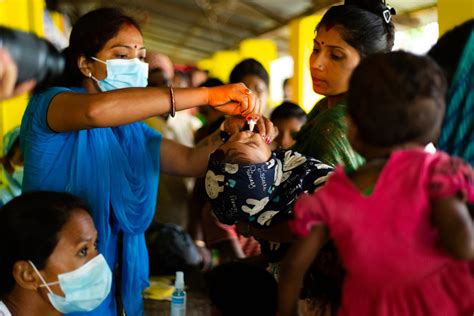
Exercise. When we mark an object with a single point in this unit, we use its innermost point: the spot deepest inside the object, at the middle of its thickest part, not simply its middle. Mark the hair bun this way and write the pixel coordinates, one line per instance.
(377, 7)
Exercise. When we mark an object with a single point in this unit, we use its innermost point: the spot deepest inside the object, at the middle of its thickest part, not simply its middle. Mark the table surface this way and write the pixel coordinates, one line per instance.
(197, 305)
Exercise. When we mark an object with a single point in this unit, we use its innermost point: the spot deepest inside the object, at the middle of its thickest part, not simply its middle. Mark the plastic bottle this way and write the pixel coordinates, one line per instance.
(178, 298)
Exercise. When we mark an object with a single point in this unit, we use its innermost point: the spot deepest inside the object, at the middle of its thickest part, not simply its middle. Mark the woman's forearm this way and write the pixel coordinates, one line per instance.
(179, 160)
(75, 111)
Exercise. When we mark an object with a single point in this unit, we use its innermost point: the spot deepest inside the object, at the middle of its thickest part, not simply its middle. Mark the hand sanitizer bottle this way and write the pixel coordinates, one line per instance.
(178, 298)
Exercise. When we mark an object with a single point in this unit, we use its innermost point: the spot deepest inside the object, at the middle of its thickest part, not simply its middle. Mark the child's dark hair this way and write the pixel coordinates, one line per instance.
(238, 288)
(364, 26)
(288, 110)
(31, 223)
(89, 35)
(246, 67)
(396, 98)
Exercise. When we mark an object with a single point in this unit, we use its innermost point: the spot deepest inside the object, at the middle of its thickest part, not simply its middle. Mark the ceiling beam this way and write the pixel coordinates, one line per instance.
(263, 11)
(153, 24)
(176, 43)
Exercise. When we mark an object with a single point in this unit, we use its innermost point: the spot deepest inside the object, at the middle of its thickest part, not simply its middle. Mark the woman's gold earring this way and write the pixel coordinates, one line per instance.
(90, 75)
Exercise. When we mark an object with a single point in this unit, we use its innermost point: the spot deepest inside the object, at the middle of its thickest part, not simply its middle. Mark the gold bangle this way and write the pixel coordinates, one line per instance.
(173, 102)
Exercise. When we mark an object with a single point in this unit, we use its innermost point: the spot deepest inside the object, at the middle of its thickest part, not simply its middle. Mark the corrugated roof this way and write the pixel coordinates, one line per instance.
(190, 30)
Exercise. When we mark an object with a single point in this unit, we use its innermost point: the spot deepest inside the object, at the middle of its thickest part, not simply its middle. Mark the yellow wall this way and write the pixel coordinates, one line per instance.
(223, 62)
(301, 46)
(263, 50)
(453, 12)
(26, 15)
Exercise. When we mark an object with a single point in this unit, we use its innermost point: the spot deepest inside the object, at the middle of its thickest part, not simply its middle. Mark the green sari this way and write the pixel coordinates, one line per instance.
(324, 136)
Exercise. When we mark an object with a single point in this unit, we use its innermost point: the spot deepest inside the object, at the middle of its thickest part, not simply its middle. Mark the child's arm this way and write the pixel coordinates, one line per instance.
(279, 232)
(294, 266)
(456, 229)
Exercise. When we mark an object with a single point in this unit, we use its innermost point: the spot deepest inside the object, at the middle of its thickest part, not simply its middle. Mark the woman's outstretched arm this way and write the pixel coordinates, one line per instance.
(70, 111)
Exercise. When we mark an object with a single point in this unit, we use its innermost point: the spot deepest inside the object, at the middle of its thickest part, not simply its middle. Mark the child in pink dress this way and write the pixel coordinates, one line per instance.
(400, 222)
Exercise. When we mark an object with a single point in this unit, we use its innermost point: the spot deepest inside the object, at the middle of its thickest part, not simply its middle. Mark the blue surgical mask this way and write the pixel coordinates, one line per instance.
(123, 73)
(84, 288)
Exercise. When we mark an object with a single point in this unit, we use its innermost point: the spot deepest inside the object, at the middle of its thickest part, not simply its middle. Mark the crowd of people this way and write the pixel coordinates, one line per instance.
(341, 211)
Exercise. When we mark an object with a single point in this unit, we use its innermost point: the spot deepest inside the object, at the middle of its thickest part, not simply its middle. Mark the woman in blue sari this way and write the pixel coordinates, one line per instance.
(454, 52)
(85, 137)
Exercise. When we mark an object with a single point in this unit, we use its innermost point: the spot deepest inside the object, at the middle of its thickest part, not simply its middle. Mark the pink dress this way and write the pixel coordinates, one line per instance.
(386, 240)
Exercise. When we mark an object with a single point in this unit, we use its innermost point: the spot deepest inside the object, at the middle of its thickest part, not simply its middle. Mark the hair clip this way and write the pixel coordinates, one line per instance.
(387, 14)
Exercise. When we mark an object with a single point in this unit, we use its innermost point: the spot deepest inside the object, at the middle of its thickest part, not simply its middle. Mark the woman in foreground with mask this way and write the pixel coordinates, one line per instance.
(85, 138)
(50, 264)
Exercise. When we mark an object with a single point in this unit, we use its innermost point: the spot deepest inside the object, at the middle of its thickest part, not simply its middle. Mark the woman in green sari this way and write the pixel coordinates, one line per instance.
(345, 35)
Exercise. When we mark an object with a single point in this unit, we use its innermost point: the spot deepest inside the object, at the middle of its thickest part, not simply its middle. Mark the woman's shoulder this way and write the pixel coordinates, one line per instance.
(52, 91)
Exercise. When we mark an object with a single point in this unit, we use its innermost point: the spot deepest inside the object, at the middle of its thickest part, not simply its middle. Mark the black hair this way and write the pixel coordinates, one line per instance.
(31, 223)
(246, 67)
(449, 48)
(364, 25)
(239, 288)
(89, 35)
(15, 146)
(288, 110)
(404, 104)
(212, 82)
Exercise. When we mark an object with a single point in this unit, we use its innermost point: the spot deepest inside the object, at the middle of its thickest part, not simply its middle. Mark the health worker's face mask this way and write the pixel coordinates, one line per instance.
(123, 73)
(84, 288)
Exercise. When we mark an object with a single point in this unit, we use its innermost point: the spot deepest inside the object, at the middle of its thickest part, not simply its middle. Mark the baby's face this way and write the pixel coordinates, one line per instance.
(246, 147)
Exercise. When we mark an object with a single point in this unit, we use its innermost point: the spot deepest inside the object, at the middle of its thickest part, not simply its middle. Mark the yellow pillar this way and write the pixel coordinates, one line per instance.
(223, 62)
(25, 15)
(263, 50)
(453, 12)
(301, 44)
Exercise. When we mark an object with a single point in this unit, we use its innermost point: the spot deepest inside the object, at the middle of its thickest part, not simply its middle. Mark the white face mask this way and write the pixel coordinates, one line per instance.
(123, 73)
(84, 288)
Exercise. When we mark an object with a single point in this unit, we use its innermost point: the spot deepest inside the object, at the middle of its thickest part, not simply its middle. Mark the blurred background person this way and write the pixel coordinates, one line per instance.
(287, 90)
(160, 69)
(288, 117)
(11, 171)
(8, 76)
(454, 52)
(254, 76)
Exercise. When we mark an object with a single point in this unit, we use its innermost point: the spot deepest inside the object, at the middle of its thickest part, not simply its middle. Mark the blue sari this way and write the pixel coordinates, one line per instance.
(116, 170)
(457, 131)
